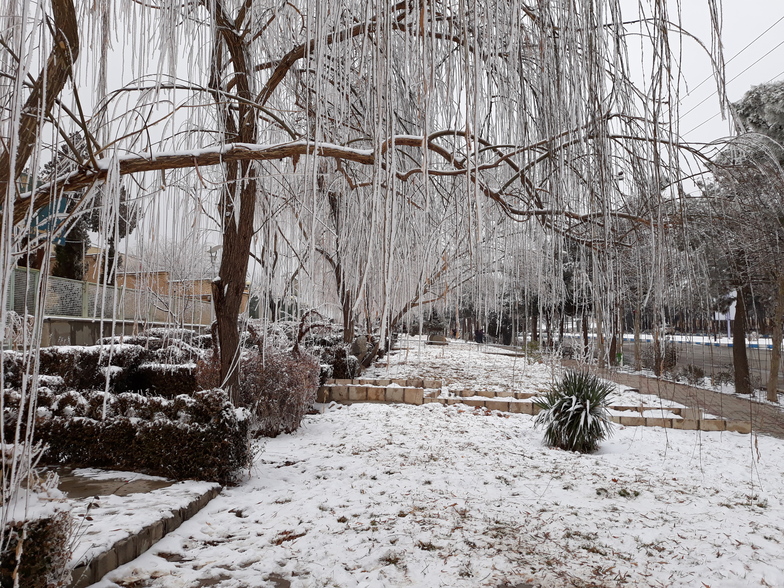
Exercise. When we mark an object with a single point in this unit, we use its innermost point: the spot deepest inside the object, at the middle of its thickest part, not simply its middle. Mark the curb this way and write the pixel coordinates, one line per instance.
(380, 391)
(131, 547)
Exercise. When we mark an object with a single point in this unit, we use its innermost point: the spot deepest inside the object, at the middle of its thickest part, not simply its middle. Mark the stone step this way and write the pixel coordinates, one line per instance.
(402, 382)
(686, 424)
(489, 394)
(131, 547)
(521, 405)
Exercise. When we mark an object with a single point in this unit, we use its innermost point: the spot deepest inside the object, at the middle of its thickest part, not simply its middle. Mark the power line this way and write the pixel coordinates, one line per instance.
(704, 100)
(718, 113)
(757, 38)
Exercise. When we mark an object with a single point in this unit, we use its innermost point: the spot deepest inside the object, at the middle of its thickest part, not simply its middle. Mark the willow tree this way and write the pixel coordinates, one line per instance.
(529, 108)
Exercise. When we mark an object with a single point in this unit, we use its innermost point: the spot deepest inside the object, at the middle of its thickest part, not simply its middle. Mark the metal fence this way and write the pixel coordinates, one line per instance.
(72, 298)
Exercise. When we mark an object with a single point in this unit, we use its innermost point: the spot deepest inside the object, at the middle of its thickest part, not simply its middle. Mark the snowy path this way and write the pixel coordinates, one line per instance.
(395, 495)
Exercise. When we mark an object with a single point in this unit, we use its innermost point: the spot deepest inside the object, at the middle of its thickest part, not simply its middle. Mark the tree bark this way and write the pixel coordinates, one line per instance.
(637, 341)
(776, 336)
(39, 103)
(740, 359)
(237, 201)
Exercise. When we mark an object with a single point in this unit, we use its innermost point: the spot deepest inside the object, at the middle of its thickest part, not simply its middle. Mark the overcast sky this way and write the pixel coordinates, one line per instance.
(753, 39)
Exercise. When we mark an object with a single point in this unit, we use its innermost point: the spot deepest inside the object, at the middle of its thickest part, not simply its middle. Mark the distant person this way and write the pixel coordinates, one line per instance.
(479, 336)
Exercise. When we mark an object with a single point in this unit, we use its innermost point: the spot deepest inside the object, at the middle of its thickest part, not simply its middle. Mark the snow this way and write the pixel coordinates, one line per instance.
(29, 505)
(101, 521)
(466, 366)
(432, 495)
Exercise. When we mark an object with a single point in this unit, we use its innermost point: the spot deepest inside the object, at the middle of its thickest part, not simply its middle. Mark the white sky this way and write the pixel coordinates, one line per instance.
(753, 40)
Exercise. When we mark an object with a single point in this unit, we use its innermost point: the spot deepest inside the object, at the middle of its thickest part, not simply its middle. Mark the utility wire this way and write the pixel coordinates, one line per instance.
(718, 113)
(757, 38)
(704, 100)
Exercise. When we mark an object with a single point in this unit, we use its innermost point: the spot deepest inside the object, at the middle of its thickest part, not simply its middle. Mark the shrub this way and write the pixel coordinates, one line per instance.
(36, 549)
(13, 368)
(201, 437)
(659, 363)
(44, 549)
(168, 335)
(278, 388)
(165, 379)
(724, 378)
(574, 412)
(208, 372)
(77, 366)
(693, 374)
(85, 368)
(344, 365)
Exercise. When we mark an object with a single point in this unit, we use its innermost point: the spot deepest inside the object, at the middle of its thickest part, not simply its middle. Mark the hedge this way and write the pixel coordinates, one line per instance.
(44, 556)
(201, 437)
(168, 371)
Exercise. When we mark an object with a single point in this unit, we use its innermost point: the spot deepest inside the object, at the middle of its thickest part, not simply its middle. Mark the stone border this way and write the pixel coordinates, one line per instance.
(131, 547)
(413, 391)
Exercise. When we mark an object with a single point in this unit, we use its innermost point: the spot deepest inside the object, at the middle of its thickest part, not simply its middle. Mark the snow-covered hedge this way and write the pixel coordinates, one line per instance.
(199, 437)
(166, 370)
(41, 561)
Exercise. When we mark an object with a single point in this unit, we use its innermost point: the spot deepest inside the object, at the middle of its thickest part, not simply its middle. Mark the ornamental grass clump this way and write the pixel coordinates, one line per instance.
(574, 412)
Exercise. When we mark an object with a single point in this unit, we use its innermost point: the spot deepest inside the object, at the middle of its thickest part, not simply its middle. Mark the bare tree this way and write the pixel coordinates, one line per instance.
(526, 108)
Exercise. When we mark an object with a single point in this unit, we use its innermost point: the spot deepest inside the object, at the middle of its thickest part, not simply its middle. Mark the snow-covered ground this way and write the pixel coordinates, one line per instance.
(397, 495)
(468, 366)
(101, 521)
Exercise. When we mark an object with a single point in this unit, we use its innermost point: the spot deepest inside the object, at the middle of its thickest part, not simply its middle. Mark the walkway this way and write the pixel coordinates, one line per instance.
(764, 418)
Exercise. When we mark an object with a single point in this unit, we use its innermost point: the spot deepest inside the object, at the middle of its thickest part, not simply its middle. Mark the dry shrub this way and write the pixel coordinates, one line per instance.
(44, 553)
(659, 363)
(36, 549)
(208, 371)
(278, 387)
(18, 329)
(344, 365)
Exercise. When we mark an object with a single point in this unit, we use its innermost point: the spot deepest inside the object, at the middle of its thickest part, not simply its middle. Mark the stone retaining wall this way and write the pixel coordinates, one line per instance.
(419, 391)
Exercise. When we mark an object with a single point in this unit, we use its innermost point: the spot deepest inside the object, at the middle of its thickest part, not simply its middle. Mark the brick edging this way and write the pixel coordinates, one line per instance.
(350, 391)
(131, 547)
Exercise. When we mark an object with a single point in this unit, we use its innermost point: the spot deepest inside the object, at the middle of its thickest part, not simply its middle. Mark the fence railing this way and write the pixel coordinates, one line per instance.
(73, 298)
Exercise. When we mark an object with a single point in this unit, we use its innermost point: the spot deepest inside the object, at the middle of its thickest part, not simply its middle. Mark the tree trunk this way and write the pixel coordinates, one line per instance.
(237, 200)
(775, 356)
(585, 336)
(43, 94)
(548, 319)
(600, 343)
(560, 328)
(534, 327)
(657, 351)
(637, 341)
(614, 349)
(739, 358)
(348, 318)
(228, 289)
